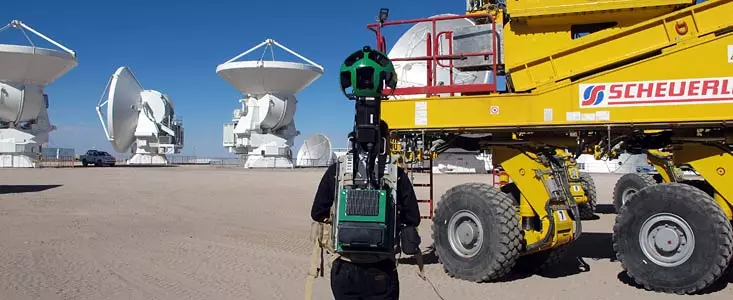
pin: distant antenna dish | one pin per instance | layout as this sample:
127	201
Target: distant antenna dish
24	72
263	130
143	117
412	44
315	152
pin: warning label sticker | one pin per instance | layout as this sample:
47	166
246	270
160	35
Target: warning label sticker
421	113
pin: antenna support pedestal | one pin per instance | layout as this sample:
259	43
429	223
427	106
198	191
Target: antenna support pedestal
263	131
147	154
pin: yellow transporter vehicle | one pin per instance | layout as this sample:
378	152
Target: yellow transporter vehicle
581	76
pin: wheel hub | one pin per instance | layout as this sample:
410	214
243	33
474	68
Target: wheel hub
666	239
465	233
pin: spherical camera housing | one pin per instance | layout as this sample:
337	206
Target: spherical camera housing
366	73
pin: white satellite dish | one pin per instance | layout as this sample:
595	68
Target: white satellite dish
263	77
315	152
145	118
24	72
263	129
413	44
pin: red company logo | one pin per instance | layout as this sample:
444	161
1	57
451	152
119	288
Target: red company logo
662	92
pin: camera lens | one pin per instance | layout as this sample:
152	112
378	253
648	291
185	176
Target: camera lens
365	78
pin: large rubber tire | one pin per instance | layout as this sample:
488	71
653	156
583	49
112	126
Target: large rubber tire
628	185
588	209
703	185
707	243
495	230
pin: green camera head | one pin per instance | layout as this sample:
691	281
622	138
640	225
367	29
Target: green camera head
367	72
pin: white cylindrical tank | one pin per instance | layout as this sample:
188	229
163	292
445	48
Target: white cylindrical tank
20	103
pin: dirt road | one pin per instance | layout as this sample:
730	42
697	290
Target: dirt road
224	233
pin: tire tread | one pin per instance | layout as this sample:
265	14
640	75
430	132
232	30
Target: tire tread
684	192
509	243
644	178
589	187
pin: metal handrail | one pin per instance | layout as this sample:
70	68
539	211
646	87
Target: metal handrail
434	59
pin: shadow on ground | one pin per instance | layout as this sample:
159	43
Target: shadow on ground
717	286
590	245
16	189
143	166
593	245
606	209
428	256
593	218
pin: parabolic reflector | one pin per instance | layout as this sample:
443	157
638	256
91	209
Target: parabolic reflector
263	77
413	44
33	65
123	101
315	152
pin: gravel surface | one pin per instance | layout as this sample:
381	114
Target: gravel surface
227	233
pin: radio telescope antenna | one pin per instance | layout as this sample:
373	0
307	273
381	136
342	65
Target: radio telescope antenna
315	152
263	129
24	73
139	118
412	44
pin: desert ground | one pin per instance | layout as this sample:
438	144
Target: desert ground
227	233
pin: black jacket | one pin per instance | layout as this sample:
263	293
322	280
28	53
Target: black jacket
406	201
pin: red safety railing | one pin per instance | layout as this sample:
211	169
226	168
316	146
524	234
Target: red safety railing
434	59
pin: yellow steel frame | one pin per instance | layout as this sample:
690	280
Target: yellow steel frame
564	9
711	162
575	185
556	101
530	175
553	72
608	47
560	106
553	28
664	165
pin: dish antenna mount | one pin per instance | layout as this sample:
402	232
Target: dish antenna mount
24	72
262	129
139	118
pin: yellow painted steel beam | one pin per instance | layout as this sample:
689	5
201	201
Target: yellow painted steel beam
715	165
530	175
662	162
696	76
540	8
602	49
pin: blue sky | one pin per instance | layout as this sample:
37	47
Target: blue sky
175	46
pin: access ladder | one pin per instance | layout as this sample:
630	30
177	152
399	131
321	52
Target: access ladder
423	166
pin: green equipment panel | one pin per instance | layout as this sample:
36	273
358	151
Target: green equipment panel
365	222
